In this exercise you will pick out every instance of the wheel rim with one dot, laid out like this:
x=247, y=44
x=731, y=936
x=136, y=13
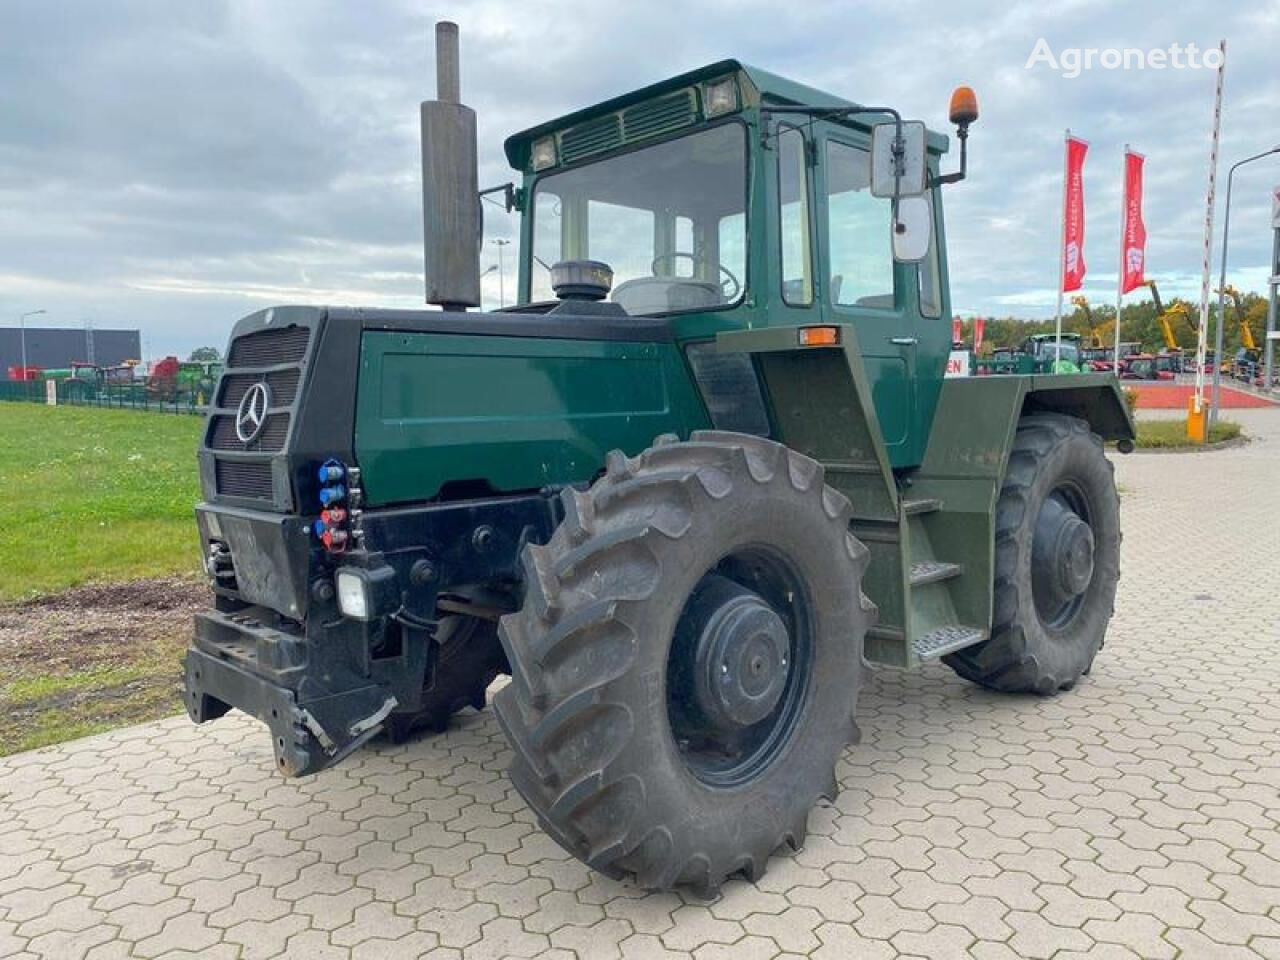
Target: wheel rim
x=1062, y=556
x=739, y=667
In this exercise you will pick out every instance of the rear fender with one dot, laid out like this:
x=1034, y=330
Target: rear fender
x=969, y=445
x=1093, y=398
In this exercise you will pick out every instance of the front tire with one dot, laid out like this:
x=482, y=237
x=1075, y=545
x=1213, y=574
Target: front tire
x=687, y=660
x=1057, y=561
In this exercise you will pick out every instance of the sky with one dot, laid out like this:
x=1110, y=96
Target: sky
x=173, y=165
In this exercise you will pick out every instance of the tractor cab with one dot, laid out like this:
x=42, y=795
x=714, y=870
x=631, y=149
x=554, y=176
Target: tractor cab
x=730, y=199
x=1052, y=356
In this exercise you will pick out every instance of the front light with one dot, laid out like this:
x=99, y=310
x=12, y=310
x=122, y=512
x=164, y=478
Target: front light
x=544, y=153
x=353, y=594
x=720, y=97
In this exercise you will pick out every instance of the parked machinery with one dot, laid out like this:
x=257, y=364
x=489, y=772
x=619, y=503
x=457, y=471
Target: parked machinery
x=679, y=496
x=1246, y=363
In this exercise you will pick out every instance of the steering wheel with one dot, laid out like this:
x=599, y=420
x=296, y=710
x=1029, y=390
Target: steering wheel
x=728, y=292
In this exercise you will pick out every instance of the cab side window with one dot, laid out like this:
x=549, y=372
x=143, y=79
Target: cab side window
x=929, y=270
x=857, y=232
x=794, y=218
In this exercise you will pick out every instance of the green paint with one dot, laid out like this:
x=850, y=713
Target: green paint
x=515, y=413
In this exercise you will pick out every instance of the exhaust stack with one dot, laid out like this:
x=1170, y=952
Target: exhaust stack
x=450, y=185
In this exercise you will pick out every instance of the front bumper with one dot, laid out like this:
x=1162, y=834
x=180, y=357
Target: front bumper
x=236, y=661
x=277, y=646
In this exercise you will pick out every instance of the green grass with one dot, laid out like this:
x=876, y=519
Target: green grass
x=100, y=710
x=94, y=495
x=44, y=709
x=35, y=689
x=1172, y=434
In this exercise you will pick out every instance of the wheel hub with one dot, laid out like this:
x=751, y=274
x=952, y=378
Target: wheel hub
x=741, y=661
x=1062, y=555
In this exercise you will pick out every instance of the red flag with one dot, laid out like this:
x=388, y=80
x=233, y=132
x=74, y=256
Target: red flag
x=1135, y=231
x=1073, y=269
x=979, y=325
x=957, y=329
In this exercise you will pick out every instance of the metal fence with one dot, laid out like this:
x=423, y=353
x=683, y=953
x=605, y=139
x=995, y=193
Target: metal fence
x=115, y=396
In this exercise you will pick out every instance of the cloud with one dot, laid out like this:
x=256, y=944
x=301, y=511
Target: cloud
x=173, y=166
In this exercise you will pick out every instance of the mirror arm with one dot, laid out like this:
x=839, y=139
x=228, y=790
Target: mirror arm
x=899, y=142
x=508, y=190
x=832, y=113
x=962, y=134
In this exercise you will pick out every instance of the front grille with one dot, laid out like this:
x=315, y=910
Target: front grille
x=237, y=478
x=275, y=356
x=282, y=383
x=263, y=348
x=275, y=430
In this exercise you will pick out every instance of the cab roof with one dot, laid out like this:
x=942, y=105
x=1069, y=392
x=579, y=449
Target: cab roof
x=769, y=87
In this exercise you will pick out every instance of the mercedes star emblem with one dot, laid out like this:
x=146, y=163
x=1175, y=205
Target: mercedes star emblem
x=252, y=413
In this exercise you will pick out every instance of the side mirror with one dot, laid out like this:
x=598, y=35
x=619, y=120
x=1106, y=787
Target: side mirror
x=909, y=164
x=912, y=229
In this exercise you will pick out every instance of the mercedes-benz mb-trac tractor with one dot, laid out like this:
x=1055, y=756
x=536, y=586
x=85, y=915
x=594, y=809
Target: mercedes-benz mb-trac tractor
x=701, y=475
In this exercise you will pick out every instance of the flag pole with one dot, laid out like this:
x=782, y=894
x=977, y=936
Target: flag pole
x=1202, y=339
x=1062, y=250
x=1124, y=219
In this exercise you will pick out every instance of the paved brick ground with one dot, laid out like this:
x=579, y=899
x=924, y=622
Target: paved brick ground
x=1137, y=816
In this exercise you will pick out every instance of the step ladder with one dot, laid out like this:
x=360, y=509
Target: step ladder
x=932, y=628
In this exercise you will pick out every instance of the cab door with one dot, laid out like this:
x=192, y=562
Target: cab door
x=861, y=284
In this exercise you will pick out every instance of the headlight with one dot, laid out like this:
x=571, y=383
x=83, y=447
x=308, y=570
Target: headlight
x=544, y=153
x=353, y=594
x=720, y=97
x=366, y=593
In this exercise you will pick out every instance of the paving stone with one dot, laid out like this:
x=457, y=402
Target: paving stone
x=187, y=931
x=1036, y=937
x=1141, y=932
x=602, y=939
x=259, y=939
x=748, y=948
x=841, y=942
x=1134, y=817
x=646, y=946
x=793, y=929
x=694, y=925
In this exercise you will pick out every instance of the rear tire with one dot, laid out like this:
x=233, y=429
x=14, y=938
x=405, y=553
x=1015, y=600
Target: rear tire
x=630, y=760
x=1046, y=631
x=468, y=657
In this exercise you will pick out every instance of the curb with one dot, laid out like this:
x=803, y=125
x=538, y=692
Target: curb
x=1195, y=448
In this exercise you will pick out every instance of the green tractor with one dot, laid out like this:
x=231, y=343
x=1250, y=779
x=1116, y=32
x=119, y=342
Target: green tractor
x=701, y=474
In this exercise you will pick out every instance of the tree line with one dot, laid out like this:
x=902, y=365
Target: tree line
x=1138, y=324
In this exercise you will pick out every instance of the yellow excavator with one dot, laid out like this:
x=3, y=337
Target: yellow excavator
x=1099, y=335
x=1172, y=354
x=1095, y=348
x=1165, y=316
x=1246, y=332
x=1246, y=359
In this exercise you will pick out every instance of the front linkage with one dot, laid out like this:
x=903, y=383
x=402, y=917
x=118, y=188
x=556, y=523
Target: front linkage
x=399, y=628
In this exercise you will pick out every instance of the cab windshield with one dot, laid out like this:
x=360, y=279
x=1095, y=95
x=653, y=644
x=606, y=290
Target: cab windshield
x=670, y=220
